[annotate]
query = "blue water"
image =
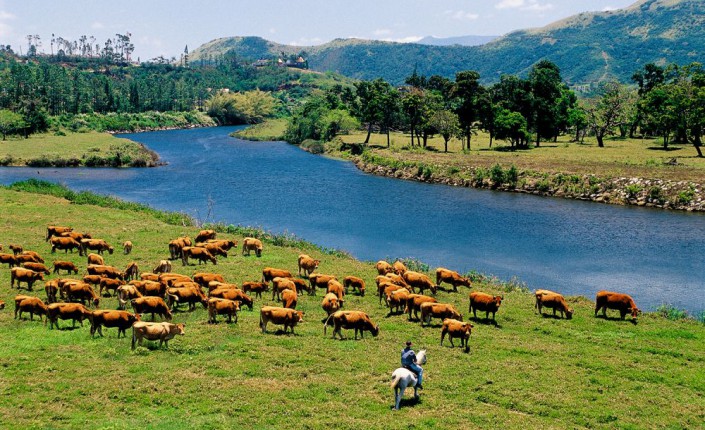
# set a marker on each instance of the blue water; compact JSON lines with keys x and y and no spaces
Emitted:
{"x":569,"y":246}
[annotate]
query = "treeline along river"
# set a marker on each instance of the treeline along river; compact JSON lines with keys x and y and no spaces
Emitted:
{"x":570,"y":246}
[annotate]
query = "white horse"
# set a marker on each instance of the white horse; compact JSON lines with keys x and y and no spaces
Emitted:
{"x":403,"y":378}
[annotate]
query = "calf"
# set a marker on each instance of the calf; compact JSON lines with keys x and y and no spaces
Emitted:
{"x":282,"y":316}
{"x":251,"y":244}
{"x":438,"y":310}
{"x":308,"y":264}
{"x":355,"y":283}
{"x":419,"y":281}
{"x":555,"y":302}
{"x":163,"y":332}
{"x":27,"y":276}
{"x":621,"y":302}
{"x":484,"y":302}
{"x":197,"y":253}
{"x":452,"y":278}
{"x":233,"y":294}
{"x":65,"y":265}
{"x":357,"y":320}
{"x":256,"y":287}
{"x":73,"y":311}
{"x":104,"y":318}
{"x":269,"y":273}
{"x":217,"y":306}
{"x":383,"y":267}
{"x":456,"y":329}
{"x":127,"y":247}
{"x":153,"y":305}
{"x":33,"y":305}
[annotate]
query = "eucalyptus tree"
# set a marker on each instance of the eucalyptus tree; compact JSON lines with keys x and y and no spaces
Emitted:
{"x":546,"y":87}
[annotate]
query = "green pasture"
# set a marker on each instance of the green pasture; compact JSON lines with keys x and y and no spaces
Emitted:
{"x":528,"y":371}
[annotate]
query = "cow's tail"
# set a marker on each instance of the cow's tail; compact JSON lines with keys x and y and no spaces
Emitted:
{"x":325,"y":326}
{"x":395,"y":381}
{"x":134,"y":337}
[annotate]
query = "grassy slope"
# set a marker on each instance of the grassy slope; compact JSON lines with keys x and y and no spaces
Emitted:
{"x":73,"y":145}
{"x":530,"y":372}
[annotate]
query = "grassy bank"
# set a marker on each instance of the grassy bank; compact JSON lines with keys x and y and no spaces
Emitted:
{"x":269,"y":130}
{"x":526,"y":372}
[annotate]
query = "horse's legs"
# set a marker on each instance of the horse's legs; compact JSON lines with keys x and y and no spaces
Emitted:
{"x":397,"y":398}
{"x":416,"y":392}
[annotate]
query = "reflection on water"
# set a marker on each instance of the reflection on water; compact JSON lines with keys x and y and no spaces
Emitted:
{"x":570,"y":246}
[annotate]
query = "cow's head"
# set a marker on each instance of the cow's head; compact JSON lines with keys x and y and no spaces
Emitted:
{"x":635,"y":312}
{"x":458,"y":316}
{"x":498,"y":300}
{"x":258,"y":252}
{"x":110,"y":250}
{"x":178,"y":329}
{"x":375,"y":330}
{"x":300,"y":316}
{"x":96,"y":302}
{"x":569,"y":313}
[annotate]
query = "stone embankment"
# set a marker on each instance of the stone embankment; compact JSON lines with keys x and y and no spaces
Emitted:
{"x":656,"y":193}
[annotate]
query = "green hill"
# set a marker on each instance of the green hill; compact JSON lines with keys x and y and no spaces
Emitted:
{"x":588,"y":47}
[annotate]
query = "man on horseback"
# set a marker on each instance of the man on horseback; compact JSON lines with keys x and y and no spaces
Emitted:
{"x":408,"y":361}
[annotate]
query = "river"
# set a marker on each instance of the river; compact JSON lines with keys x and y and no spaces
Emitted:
{"x":569,"y":246}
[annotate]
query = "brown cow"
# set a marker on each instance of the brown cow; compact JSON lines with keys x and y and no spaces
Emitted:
{"x":214,"y":249}
{"x":336,"y":288}
{"x":65,"y":265}
{"x":177,"y":245}
{"x":95,"y":259}
{"x":438,"y":310}
{"x":383,"y":267}
{"x":150,"y":288}
{"x":233,"y":294}
{"x":132,"y":271}
{"x":289,"y":299}
{"x":37,"y":267}
{"x":106,"y":271}
{"x":96,"y":245}
{"x":621,"y":302}
{"x":419,"y":281}
{"x":414,"y":302}
{"x":126,"y":293}
{"x":200,"y":254}
{"x":330,"y":303}
{"x":396,"y":300}
{"x":168,"y":278}
{"x":399,"y":268}
{"x":308,"y":264}
{"x":203,"y":279}
{"x":284,"y":316}
{"x":227,"y":245}
{"x":164,"y":266}
{"x":256,"y":287}
{"x":64,"y":311}
{"x":456,"y":329}
{"x":120,"y":319}
{"x":55,"y":230}
{"x":27,"y":276}
{"x":149,"y":276}
{"x":28,"y":256}
{"x":127,"y":247}
{"x":78,"y":237}
{"x":301,"y":285}
{"x":218,"y":306}
{"x":555,"y":302}
{"x":163,"y":332}
{"x":355,"y":283}
{"x":269,"y":273}
{"x":8,"y":259}
{"x":153,"y":305}
{"x":215,"y":285}
{"x":319,"y":280}
{"x":357,"y":320}
{"x":205,"y":235}
{"x":281,"y":284}
{"x":16,"y":249}
{"x":252,"y":244}
{"x":108,"y":284}
{"x":65,"y":243}
{"x":33,"y":305}
{"x":386,"y":288}
{"x":484,"y":302}
{"x":80,"y":291}
{"x":93,"y":280}
{"x":188,"y":295}
{"x":51,"y":288}
{"x":452,"y":278}
{"x":539,"y":293}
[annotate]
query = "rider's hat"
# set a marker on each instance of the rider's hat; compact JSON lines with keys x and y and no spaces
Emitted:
{"x":408,"y":343}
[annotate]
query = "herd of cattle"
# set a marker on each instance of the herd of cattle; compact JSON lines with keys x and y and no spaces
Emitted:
{"x":161,"y":291}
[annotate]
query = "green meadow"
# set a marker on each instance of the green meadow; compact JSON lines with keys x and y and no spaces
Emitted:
{"x":527,"y":371}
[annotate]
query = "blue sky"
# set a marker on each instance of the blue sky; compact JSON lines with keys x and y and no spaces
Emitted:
{"x":165,"y":27}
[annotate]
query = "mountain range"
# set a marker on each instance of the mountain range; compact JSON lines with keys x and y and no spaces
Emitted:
{"x":589,"y":47}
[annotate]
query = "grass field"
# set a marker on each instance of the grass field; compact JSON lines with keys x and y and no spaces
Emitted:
{"x":527,"y":372}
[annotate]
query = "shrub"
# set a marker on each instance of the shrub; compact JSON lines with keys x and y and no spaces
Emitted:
{"x":543,"y":185}
{"x":511,"y":176}
{"x":632,"y":190}
{"x":686,"y":196}
{"x":672,"y":313}
{"x":656,"y":194}
{"x":497,"y":175}
{"x":313,"y":146}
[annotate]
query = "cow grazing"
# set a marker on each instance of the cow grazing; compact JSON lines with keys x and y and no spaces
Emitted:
{"x":555,"y":302}
{"x":330,"y":303}
{"x":16,"y":249}
{"x":414,"y":302}
{"x":106,"y":271}
{"x":203,"y":279}
{"x":127,"y":247}
{"x":164,"y":266}
{"x":251,"y":244}
{"x":438,"y":310}
{"x":27,"y":276}
{"x":167,"y":279}
{"x":37,"y":267}
{"x":319,"y":280}
{"x":396,"y":300}
{"x":539,"y":293}
{"x":385,"y":289}
{"x":150,"y":288}
{"x":484,"y":302}
{"x":65,"y":265}
{"x":269,"y":273}
{"x":51,"y":288}
{"x":188,"y":295}
{"x":94,"y":280}
{"x":95,"y":259}
{"x":177,"y":245}
{"x":618,"y":301}
{"x":289,"y":299}
{"x":218,"y":306}
{"x":163,"y":332}
{"x":226,"y":245}
{"x":214,"y":249}
{"x":308,"y":264}
{"x":78,"y":237}
{"x":233,"y":294}
{"x":65,"y":243}
{"x":452,"y":278}
{"x":336,"y":288}
{"x":355,"y":283}
{"x":357,"y":320}
{"x":151,"y":305}
{"x":8,"y":259}
{"x":197,"y":253}
{"x":33,"y":305}
{"x":419,"y":281}
{"x":215,"y":285}
{"x":109,"y":284}
{"x":55,"y":230}
{"x":126,"y":293}
{"x":150,"y":276}
{"x":399,"y":268}
{"x":82,"y":292}
{"x":281,"y":316}
{"x":281,"y":284}
{"x":383,"y":267}
{"x":301,"y":285}
{"x":96,"y":245}
{"x":107,"y":318}
{"x":132,"y":271}
{"x":205,"y":235}
{"x":255,"y":287}
{"x":456,"y":329}
{"x":73,"y":311}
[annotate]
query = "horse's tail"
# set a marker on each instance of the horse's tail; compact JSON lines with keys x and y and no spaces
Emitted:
{"x":395,"y":381}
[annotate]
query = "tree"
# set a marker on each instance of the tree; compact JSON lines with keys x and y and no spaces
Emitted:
{"x":511,"y":126}
{"x":412,"y":106}
{"x":546,"y":85}
{"x":10,"y":122}
{"x":606,"y":111}
{"x":468,"y":91}
{"x":374,"y":97}
{"x":447,"y":124}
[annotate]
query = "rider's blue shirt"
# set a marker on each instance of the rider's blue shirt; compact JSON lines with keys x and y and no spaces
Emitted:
{"x":408,"y":357}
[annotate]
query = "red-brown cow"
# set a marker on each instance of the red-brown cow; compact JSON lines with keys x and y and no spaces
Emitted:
{"x":289,"y":299}
{"x":396,"y":300}
{"x":319,"y":280}
{"x":383,"y":267}
{"x":151,"y":305}
{"x":109,"y":284}
{"x":256,"y":287}
{"x":357,"y":320}
{"x":289,"y":318}
{"x":188,"y":295}
{"x":621,"y":302}
{"x":452,"y":278}
{"x":217,"y":306}
{"x":73,"y":311}
{"x":399,"y":268}
{"x":330,"y":303}
{"x":96,"y":259}
{"x":37,"y":267}
{"x":8,"y":259}
{"x":484,"y":302}
{"x":233,"y":294}
{"x":203,"y":279}
{"x":419,"y":281}
{"x":80,"y":291}
{"x":456,"y":329}
{"x":65,"y":265}
{"x":16,"y":249}
{"x":269,"y":273}
{"x":65,"y":243}
{"x":355,"y":283}
{"x":197,"y":253}
{"x":438,"y":310}
{"x":556,"y":302}
{"x":281,"y":284}
{"x":336,"y":288}
{"x":164,"y":266}
{"x":205,"y":235}
{"x":177,"y":245}
{"x":96,"y":245}
{"x":107,"y":318}
{"x":51,"y":288}
{"x":251,"y":244}
{"x":308,"y":264}
{"x":126,"y":293}
{"x":33,"y":305}
{"x":55,"y":230}
{"x":106,"y":271}
{"x":27,"y":276}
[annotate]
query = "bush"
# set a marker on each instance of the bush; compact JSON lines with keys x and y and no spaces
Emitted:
{"x":632,"y":190}
{"x":313,"y":146}
{"x":656,"y":194}
{"x":672,"y":313}
{"x":686,"y":197}
{"x":497,"y":175}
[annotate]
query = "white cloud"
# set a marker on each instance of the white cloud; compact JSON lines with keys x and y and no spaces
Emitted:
{"x":97,"y":25}
{"x":304,"y":41}
{"x":272,"y":30}
{"x":407,"y":39}
{"x":461,"y":15}
{"x":532,"y":5}
{"x":382,"y":32}
{"x":4,"y":16}
{"x":510,"y":4}
{"x":609,"y":8}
